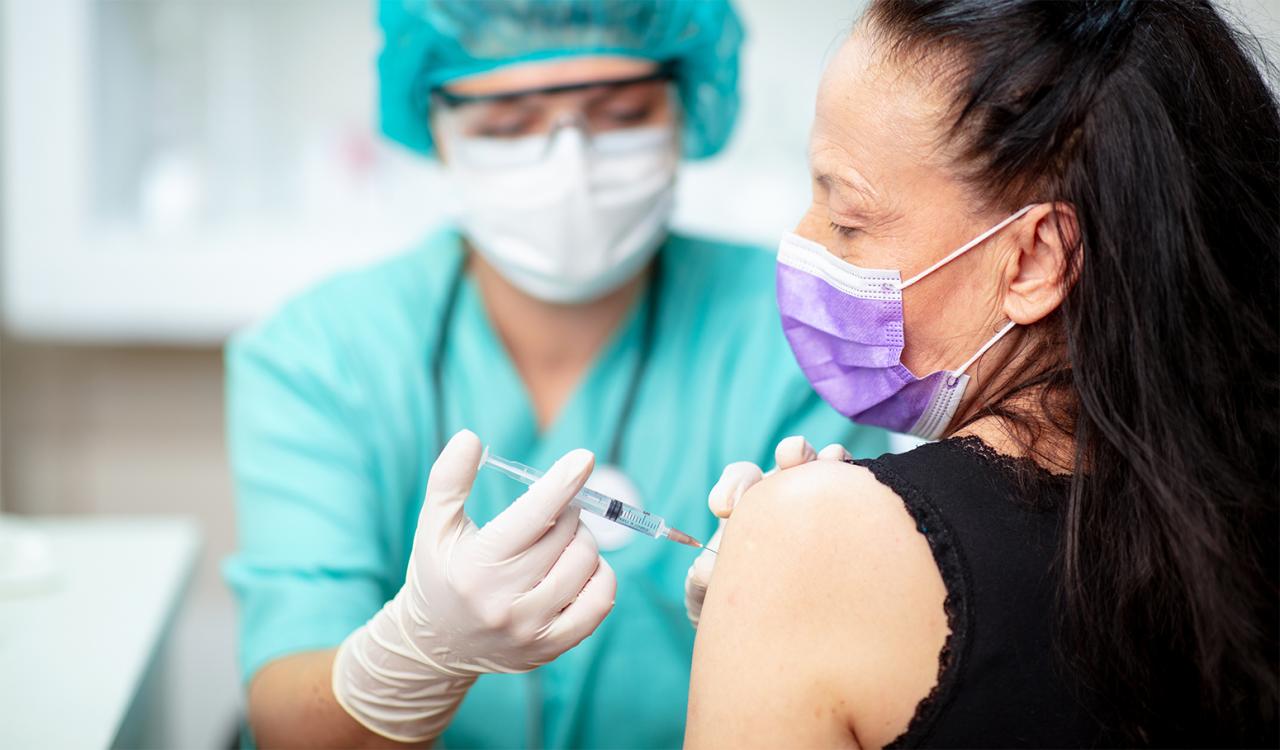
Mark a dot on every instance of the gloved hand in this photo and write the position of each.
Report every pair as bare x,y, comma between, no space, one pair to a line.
507,597
736,479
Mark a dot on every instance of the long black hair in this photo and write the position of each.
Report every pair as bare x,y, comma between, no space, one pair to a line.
1153,120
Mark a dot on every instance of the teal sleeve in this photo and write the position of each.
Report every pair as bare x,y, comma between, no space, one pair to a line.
309,567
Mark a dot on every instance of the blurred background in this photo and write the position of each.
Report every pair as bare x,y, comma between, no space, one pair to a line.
172,170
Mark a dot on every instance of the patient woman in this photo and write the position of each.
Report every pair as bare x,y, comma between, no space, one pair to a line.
1078,205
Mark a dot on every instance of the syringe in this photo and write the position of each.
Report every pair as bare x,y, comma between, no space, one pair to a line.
595,502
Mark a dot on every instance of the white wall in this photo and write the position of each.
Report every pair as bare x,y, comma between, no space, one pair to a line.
758,188
170,152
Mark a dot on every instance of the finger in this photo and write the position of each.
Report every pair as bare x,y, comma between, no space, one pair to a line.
584,614
736,479
834,452
794,451
705,562
698,579
713,544
538,558
695,593
532,513
448,486
566,579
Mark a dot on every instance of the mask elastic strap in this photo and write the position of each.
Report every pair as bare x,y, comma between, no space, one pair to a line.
966,247
992,342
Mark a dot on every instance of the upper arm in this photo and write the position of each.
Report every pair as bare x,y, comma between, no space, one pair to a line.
308,567
824,621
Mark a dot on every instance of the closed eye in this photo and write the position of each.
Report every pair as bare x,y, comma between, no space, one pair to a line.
843,230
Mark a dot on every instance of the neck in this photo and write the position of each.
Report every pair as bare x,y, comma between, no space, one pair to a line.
552,345
1036,420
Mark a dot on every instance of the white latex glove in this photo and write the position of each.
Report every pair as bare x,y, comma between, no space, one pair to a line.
507,597
736,479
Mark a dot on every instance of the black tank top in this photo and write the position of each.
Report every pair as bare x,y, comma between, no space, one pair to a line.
993,524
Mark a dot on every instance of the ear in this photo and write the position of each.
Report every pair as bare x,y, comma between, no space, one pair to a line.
1037,276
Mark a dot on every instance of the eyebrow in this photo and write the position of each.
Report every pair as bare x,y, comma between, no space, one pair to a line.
847,178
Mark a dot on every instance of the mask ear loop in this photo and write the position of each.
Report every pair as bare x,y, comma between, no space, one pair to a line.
955,375
966,247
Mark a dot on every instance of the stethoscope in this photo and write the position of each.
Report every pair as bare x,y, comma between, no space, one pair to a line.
607,477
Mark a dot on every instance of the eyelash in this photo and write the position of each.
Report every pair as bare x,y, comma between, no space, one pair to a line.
842,230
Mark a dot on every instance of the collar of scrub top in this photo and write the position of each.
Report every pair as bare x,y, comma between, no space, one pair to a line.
614,456
666,71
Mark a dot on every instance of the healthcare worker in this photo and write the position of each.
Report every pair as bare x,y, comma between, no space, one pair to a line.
559,313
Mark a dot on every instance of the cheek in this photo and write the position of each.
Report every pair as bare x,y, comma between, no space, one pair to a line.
924,316
947,315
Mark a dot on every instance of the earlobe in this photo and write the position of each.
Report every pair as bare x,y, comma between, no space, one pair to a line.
1041,272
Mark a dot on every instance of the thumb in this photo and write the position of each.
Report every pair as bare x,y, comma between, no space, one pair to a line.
736,479
698,579
448,486
793,451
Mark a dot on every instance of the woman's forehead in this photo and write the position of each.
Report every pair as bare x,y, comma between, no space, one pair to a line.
874,116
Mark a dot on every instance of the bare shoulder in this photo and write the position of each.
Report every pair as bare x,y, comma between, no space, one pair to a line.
825,582
818,501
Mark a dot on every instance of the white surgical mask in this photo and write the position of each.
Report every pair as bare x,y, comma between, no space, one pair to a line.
576,223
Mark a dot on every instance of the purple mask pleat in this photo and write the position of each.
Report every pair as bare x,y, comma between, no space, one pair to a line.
849,391
900,412
844,325
817,305
820,346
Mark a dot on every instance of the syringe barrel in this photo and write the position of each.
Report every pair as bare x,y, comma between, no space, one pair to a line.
619,512
588,500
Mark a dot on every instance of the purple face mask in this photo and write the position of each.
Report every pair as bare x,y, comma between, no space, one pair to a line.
844,324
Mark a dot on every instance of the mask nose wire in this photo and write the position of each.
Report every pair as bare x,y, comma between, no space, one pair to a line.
966,247
575,120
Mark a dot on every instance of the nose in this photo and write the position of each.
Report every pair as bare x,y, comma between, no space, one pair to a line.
568,136
566,119
810,227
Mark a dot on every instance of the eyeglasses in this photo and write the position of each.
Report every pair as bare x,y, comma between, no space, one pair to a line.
526,121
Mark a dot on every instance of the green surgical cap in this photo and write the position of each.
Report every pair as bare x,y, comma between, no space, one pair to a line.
430,42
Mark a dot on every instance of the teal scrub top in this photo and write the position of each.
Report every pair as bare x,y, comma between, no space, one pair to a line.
331,432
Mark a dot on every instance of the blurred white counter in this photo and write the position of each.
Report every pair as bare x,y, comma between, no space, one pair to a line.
78,660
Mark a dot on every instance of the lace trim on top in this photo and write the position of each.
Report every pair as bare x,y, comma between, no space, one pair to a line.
946,552
1020,465
1035,487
